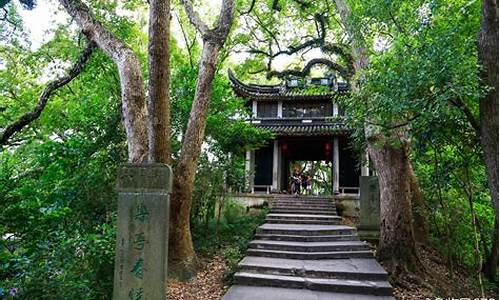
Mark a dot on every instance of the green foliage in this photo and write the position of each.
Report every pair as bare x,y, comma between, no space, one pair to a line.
423,61
57,204
452,176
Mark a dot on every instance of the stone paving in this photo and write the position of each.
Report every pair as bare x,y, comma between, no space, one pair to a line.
303,252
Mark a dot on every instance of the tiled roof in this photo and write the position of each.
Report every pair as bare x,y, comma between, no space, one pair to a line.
280,91
323,129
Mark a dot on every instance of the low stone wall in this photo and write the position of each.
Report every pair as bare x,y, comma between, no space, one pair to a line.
252,200
347,205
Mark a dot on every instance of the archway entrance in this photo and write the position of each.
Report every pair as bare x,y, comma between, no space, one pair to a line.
313,157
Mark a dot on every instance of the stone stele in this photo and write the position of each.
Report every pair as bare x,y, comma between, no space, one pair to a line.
142,232
369,204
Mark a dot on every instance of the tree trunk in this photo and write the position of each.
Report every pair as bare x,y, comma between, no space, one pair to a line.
490,267
397,247
181,245
131,81
488,109
159,80
181,251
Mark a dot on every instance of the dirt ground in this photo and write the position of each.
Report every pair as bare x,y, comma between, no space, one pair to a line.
206,285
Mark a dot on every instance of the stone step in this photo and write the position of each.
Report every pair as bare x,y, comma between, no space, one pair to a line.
304,200
304,216
301,238
300,211
302,221
310,207
303,203
309,246
305,206
245,292
378,288
310,255
305,229
356,268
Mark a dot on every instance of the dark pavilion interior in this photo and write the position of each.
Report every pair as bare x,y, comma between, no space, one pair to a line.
308,126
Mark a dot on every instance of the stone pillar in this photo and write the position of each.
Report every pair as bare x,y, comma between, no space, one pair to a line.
249,170
369,207
280,169
365,168
142,231
336,161
280,109
254,109
335,109
276,150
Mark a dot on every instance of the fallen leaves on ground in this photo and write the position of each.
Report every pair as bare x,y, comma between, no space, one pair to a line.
206,285
458,283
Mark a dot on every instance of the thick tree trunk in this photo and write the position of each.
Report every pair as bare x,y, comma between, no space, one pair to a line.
490,266
159,80
181,246
181,251
131,81
397,247
488,108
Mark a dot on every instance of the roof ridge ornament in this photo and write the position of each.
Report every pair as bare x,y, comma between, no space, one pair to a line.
291,88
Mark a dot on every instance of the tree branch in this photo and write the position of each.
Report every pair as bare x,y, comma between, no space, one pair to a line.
29,117
131,81
306,70
249,10
5,17
319,42
223,23
468,113
189,46
194,18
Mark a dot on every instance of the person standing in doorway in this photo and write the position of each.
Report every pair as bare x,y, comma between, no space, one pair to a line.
296,180
309,185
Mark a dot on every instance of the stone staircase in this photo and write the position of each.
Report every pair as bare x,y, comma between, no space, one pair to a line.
303,252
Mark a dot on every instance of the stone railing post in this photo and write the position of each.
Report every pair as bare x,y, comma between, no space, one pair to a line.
142,231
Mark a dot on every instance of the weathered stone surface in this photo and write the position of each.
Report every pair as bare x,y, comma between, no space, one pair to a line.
303,238
277,218
309,246
142,231
303,216
369,202
348,206
354,268
305,229
310,255
378,288
242,292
